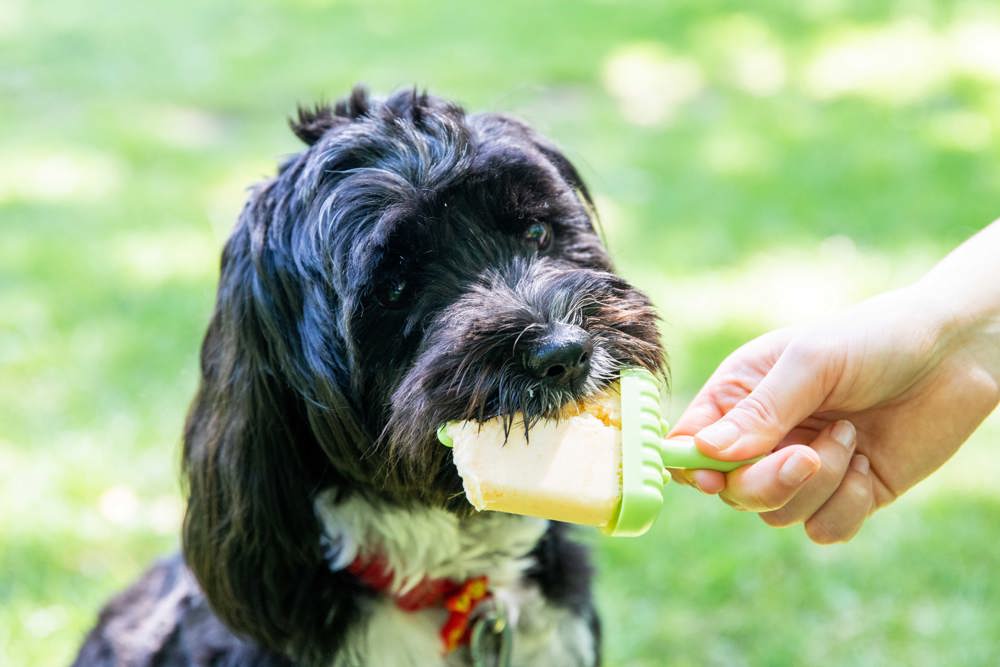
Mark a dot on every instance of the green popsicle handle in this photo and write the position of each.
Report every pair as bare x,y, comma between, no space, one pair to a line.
646,452
677,453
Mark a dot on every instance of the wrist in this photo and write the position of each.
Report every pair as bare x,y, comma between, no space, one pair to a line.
985,341
964,320
963,291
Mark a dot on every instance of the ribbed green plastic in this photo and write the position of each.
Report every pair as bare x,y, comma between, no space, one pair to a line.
642,473
646,453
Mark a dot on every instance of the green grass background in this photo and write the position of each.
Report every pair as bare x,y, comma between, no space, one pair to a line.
755,165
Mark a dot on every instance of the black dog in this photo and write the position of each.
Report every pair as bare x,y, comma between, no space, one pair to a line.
413,265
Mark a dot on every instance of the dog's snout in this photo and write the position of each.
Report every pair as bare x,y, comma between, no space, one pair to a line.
561,355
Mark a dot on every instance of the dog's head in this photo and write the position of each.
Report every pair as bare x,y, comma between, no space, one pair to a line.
413,265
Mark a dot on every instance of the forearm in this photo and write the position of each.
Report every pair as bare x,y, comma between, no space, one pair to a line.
965,289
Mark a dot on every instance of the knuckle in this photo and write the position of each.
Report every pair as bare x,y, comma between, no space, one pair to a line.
778,519
819,533
759,407
809,350
831,478
732,503
767,499
827,532
857,491
819,353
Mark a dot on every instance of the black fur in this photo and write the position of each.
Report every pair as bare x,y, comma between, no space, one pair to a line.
315,375
164,620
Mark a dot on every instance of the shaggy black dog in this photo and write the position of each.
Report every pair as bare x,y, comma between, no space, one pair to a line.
413,265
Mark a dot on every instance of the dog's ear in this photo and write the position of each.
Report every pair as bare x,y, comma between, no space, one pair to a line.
252,457
563,166
547,148
310,124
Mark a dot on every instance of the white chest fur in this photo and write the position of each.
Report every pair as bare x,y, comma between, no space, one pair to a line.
433,543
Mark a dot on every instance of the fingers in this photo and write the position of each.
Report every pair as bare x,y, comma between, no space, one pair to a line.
825,485
773,481
702,411
709,481
740,372
793,389
706,481
840,518
835,446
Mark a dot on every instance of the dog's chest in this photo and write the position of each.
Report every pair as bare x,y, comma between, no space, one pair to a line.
431,543
543,636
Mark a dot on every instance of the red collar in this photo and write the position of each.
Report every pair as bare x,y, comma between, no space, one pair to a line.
459,598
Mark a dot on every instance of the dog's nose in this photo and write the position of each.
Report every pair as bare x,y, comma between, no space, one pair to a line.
562,354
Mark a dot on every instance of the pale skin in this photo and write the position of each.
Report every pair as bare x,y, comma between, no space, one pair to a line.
855,410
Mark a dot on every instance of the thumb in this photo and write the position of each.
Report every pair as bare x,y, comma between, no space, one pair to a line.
791,391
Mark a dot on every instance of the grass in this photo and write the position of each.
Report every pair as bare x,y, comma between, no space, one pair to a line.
750,174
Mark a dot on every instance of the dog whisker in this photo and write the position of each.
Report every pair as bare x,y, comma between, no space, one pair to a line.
389,278
532,325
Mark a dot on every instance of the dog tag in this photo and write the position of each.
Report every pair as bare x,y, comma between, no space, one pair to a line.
492,638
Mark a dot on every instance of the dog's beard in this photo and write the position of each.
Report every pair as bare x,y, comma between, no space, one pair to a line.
322,371
472,364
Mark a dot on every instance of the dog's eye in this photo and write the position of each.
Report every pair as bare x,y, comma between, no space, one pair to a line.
392,292
539,235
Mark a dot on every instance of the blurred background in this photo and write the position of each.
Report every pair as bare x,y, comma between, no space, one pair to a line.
755,166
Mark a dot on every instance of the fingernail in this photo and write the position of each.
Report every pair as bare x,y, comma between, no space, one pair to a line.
860,463
719,435
797,469
844,433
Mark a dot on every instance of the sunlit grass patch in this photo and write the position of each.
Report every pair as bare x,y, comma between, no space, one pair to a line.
754,169
57,175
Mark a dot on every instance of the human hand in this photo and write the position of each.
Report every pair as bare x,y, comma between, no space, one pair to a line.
893,371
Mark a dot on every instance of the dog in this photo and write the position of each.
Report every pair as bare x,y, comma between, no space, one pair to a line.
413,265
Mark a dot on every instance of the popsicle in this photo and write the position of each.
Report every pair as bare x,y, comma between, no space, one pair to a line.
600,463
